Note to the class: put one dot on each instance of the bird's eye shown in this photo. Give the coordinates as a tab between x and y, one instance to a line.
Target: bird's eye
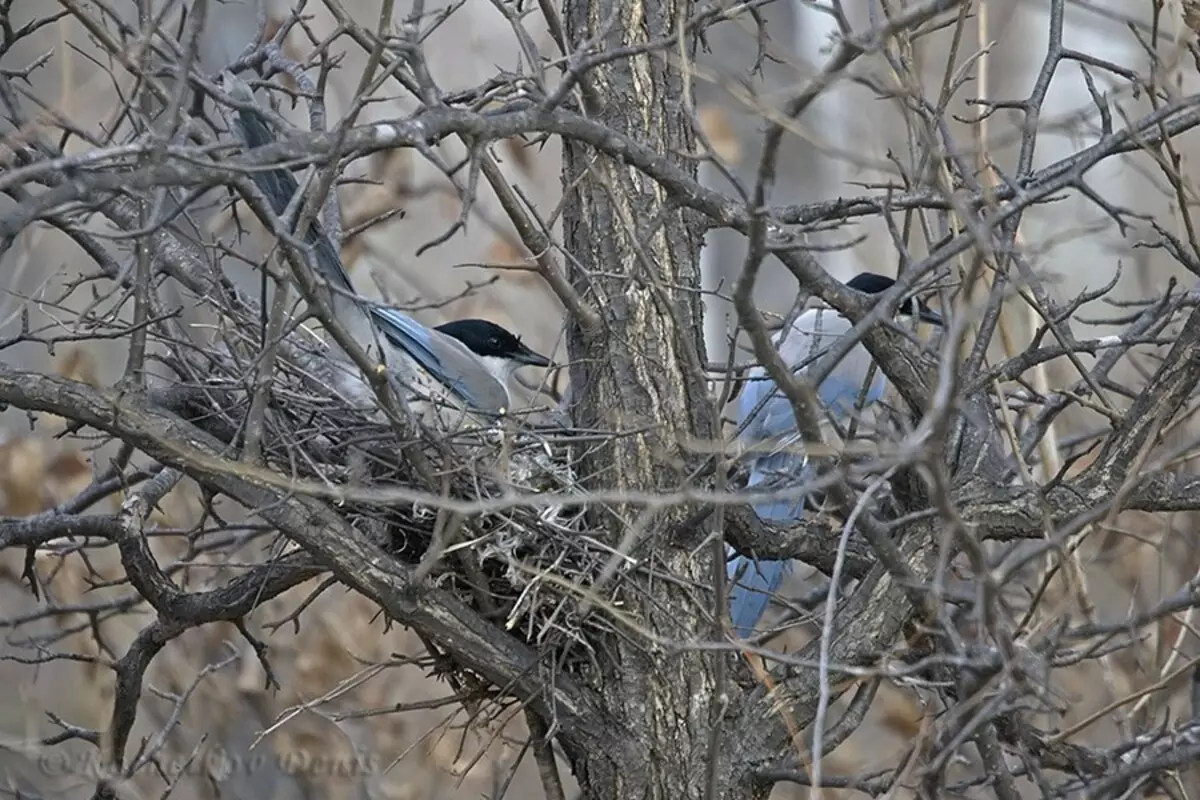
494	342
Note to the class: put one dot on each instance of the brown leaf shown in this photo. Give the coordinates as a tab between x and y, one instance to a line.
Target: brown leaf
717	126
67	475
23	475
518	151
506	252
1191	15
901	712
77	364
449	205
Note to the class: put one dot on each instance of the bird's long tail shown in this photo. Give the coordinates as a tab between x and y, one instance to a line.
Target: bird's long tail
279	186
752	583
750	591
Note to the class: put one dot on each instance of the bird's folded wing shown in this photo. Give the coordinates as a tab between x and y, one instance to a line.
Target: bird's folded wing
445	358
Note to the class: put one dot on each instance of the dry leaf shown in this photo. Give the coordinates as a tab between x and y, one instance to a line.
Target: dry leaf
719	130
1191	15
449	205
505	252
22	475
518	151
77	364
901	711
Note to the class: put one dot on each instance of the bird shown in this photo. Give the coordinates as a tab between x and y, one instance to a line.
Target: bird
766	420
471	359
455	351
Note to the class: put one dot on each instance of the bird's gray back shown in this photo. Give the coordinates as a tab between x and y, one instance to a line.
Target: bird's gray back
808	339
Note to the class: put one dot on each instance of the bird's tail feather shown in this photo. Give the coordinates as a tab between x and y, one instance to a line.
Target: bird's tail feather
751	591
279	186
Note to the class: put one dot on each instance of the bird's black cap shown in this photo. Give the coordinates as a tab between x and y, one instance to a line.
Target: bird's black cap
487	339
872	283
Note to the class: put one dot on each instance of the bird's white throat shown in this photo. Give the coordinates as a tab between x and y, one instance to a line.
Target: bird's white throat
502	369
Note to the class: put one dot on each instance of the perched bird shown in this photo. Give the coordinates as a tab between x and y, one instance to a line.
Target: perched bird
471	359
766	420
455	353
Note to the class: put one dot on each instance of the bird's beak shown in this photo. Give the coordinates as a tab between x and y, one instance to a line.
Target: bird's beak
532	358
932	317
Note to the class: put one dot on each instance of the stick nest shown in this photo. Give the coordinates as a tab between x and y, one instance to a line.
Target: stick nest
518	560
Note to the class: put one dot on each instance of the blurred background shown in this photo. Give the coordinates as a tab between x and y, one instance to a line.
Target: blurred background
330	670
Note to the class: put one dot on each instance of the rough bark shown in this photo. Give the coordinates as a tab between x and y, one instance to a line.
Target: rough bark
636	256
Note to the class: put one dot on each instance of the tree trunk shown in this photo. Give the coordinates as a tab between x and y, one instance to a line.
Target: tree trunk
640	376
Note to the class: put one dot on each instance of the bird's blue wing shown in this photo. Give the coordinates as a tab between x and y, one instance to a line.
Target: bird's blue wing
416	340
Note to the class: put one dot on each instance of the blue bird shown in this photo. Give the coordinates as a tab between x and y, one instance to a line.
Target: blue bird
471	359
766	420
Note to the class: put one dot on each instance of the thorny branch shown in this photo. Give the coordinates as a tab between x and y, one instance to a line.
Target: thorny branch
953	588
